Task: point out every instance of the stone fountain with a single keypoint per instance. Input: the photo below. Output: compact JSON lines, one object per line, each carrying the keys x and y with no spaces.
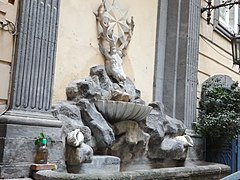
{"x":107,"y":126}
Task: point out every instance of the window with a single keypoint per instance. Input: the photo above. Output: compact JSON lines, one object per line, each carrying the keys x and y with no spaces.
{"x":229,"y":18}
{"x":226,"y":20}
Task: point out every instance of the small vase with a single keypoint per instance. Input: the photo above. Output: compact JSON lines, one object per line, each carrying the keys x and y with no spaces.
{"x":42,"y":153}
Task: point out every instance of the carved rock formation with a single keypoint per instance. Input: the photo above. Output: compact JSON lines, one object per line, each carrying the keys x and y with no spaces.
{"x":151,"y":137}
{"x":174,"y":127}
{"x":76,"y":152}
{"x":131,"y":142}
{"x":167,"y":139}
{"x":154,"y":123}
{"x":100,"y":86}
{"x":70,"y":115}
{"x":101,"y":130}
{"x":76,"y":156}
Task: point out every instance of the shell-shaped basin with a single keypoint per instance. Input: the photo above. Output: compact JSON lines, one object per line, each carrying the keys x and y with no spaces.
{"x":116,"y":111}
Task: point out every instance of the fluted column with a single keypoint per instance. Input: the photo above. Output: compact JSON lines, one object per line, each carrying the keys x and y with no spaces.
{"x":34,"y":61}
{"x":29,"y":112}
{"x":35,"y":57}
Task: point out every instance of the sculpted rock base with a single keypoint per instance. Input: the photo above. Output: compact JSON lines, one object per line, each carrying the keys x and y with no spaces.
{"x":154,"y":140}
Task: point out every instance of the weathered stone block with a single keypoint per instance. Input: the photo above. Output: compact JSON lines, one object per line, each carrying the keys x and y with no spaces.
{"x":28,"y":132}
{"x":104,"y":81}
{"x":84,"y":88}
{"x":131,"y":142}
{"x":174,"y":127}
{"x":18,"y":149}
{"x":133,"y":132}
{"x":13,"y":171}
{"x":102,"y":132}
{"x":154,"y":123}
{"x":69,"y":109}
{"x":78,"y":155}
{"x":70,"y":115}
{"x":99,"y":164}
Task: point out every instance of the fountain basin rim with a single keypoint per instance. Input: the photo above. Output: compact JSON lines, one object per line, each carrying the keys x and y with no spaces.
{"x":116,"y":111}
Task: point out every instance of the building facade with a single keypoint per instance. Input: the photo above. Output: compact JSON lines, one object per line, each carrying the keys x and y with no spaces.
{"x":171,"y":53}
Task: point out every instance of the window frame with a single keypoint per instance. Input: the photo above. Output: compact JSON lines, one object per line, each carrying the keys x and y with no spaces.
{"x":219,"y":26}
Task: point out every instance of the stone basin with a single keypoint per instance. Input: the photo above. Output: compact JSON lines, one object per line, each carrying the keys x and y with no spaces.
{"x":204,"y":171}
{"x":115,"y":111}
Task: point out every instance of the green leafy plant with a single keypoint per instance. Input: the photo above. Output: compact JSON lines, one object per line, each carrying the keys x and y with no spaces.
{"x":219,"y":115}
{"x":39,"y":139}
{"x":42,"y":136}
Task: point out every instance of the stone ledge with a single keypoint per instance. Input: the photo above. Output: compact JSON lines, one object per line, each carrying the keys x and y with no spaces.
{"x":204,"y":172}
{"x":31,"y":119}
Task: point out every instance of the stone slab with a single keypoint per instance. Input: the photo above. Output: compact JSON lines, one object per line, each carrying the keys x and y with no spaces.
{"x":204,"y":172}
{"x":17,"y":147}
{"x":99,"y":164}
{"x":28,"y":132}
{"x":14,"y":171}
{"x":20,"y":179}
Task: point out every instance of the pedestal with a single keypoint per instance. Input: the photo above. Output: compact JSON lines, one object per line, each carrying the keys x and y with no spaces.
{"x":17,"y":148}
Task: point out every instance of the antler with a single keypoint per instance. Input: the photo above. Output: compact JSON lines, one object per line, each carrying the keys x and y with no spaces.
{"x":124,"y":46}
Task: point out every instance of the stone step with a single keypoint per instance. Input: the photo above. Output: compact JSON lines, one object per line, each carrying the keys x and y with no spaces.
{"x":20,"y":179}
{"x":201,"y":172}
{"x":99,"y":164}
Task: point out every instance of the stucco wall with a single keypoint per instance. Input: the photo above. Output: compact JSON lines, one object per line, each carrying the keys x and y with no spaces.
{"x":77,"y":49}
{"x":7,"y":12}
{"x":213,"y":58}
{"x":5,"y":66}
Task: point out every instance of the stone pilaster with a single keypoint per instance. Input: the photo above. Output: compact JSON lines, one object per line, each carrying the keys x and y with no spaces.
{"x":31,"y":91}
{"x":176,"y":63}
{"x":177,"y":58}
{"x":160,"y":50}
{"x":192,"y":63}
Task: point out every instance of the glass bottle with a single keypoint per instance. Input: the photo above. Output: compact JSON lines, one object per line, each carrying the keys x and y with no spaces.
{"x":42,"y":153}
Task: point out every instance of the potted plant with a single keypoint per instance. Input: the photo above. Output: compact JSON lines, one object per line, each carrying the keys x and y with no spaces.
{"x":219,"y":118}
